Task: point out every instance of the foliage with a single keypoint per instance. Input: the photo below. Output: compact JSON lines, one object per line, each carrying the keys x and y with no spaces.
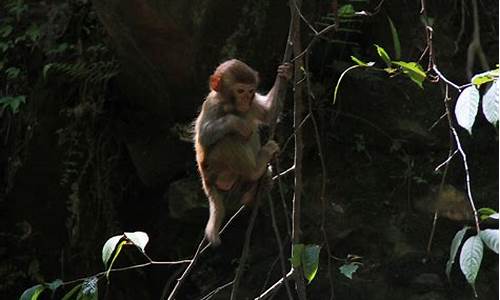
{"x":472,"y":250}
{"x":88,"y":289}
{"x":307,"y":258}
{"x":468,"y":101}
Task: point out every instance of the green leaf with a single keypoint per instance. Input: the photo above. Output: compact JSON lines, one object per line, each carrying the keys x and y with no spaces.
{"x":138,"y":238}
{"x":310,"y":261}
{"x":362,"y":63}
{"x":485,"y":77}
{"x":346,"y":11}
{"x":33,"y":292}
{"x":348,"y":269}
{"x":297,"y":251}
{"x":109,"y":247}
{"x":395,"y":39}
{"x":486,"y":212}
{"x":383,"y":54}
{"x":12,"y":72}
{"x":470,"y":258}
{"x":413,"y":70}
{"x":46,"y":69}
{"x":33,"y":32}
{"x":12,"y":102}
{"x":6,"y":30}
{"x":118,"y":250}
{"x":466,"y":108}
{"x":70,"y":294}
{"x":455,"y":244}
{"x":490,"y":103}
{"x":89,"y":290}
{"x":490,"y":238}
{"x":358,"y":61}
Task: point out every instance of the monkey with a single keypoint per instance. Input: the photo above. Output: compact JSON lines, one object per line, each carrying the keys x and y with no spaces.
{"x":229,"y":154}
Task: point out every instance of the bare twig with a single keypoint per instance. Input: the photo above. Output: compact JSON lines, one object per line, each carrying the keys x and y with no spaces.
{"x":194,"y":260}
{"x":181,"y":280}
{"x":150,"y":263}
{"x":271,"y":290}
{"x":214,"y":292}
{"x":280,"y":245}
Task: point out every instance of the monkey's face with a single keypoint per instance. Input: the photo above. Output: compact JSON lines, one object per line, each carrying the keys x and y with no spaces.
{"x":243,"y":95}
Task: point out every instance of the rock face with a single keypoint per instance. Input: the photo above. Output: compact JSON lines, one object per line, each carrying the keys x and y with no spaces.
{"x":166,"y":50}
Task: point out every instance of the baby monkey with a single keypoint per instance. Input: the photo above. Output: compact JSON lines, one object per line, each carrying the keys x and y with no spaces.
{"x":227,"y":143}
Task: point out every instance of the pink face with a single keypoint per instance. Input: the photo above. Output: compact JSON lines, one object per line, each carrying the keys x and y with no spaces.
{"x":244,"y":94}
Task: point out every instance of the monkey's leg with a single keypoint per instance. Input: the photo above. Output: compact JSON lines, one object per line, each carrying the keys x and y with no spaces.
{"x":215,"y":218}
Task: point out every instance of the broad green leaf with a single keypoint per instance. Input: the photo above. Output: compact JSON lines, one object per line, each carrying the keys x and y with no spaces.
{"x":455,"y":244}
{"x":138,"y":238}
{"x":348,"y":269}
{"x":33,"y":292}
{"x":486,"y":212}
{"x":466,"y":108}
{"x":54,"y":285}
{"x":346,"y":11}
{"x":490,"y":103}
{"x":297,"y":251}
{"x":117,"y":252}
{"x":490,"y":238}
{"x":109,"y":247}
{"x":395,"y":39}
{"x":73,"y":291}
{"x":470,"y":258}
{"x":413,"y":70}
{"x":383,"y":54}
{"x":89,"y":290}
{"x":485,"y":77}
{"x":310,"y":260}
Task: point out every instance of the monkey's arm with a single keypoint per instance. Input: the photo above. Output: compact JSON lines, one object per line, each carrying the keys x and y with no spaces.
{"x":265,"y":104}
{"x":212,"y":129}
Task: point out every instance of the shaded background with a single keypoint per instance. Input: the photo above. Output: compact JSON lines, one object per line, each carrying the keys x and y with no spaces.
{"x":102,"y":144}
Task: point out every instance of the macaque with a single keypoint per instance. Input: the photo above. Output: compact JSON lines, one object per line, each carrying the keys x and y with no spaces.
{"x":228,"y":150}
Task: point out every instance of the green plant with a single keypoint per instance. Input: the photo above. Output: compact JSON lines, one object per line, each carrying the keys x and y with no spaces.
{"x":472,"y":250}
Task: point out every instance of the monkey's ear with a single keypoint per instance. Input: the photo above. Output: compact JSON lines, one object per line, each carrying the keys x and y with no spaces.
{"x":215,"y":82}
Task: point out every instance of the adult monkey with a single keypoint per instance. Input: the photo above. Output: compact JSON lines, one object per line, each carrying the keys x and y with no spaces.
{"x":228,"y":151}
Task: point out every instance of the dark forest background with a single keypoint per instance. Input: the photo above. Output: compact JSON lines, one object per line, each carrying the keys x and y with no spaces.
{"x":95,"y":141}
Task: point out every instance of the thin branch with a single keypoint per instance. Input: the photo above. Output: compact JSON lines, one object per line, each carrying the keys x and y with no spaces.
{"x":280,"y":245}
{"x":214,"y":292}
{"x":195,"y":258}
{"x":466,"y":166}
{"x":181,"y":280}
{"x":271,"y":290}
{"x":441,"y":76}
{"x":150,"y":263}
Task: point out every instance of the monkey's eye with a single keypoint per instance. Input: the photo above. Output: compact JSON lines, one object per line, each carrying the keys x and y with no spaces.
{"x":240,"y":91}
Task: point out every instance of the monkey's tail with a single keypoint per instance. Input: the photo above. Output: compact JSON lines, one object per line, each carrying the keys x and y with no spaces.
{"x":216,"y":215}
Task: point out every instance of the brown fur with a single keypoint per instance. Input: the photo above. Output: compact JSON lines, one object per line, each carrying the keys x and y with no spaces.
{"x":227,"y":159}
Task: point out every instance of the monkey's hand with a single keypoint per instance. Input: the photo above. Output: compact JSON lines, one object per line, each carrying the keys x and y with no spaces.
{"x":285,"y":71}
{"x":271,"y":148}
